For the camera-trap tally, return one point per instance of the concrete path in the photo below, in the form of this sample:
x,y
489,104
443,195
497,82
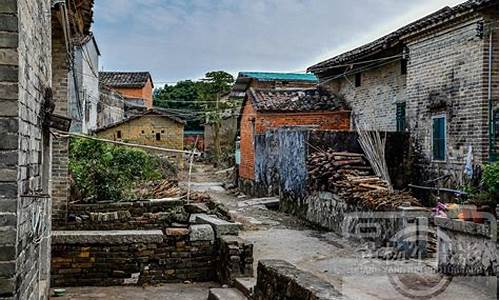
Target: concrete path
x,y
194,291
343,263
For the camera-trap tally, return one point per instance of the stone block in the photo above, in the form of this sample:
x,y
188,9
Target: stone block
x,y
8,6
221,227
7,253
7,285
107,237
225,294
8,174
8,219
8,23
196,208
201,233
7,269
8,40
176,231
8,190
8,158
9,73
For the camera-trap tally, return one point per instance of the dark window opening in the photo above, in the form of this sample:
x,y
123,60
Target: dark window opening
x,y
401,116
142,131
158,137
439,138
163,131
357,80
404,66
152,131
118,134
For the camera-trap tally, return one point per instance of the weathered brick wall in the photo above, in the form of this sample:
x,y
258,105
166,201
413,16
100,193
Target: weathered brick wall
x,y
111,106
374,102
447,75
60,146
90,258
235,259
228,132
257,123
145,93
143,131
25,68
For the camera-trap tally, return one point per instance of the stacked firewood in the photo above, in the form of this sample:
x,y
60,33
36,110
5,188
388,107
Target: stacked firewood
x,y
349,175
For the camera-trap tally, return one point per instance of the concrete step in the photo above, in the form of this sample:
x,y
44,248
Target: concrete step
x,y
245,285
268,202
221,227
225,294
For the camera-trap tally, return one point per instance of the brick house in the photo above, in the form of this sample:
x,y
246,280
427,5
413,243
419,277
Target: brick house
x,y
271,80
136,87
436,78
34,100
152,128
265,109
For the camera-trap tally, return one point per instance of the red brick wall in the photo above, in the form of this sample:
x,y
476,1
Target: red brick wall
x,y
326,120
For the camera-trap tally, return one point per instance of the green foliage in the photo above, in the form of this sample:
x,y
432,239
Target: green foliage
x,y
106,172
487,192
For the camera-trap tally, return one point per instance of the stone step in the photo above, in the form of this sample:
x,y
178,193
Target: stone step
x,y
245,285
268,202
221,227
225,294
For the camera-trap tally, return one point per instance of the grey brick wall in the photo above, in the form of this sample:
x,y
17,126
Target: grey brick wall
x,y
447,75
111,106
60,146
24,207
374,102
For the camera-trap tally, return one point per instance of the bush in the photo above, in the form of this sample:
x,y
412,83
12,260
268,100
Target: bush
x,y
103,171
486,192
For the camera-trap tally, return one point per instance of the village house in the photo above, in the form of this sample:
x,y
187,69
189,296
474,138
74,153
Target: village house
x,y
136,87
153,128
265,109
271,80
436,78
35,55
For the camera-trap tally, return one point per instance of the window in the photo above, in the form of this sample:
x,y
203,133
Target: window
x,y
404,66
118,134
163,131
401,116
357,80
142,131
439,137
158,137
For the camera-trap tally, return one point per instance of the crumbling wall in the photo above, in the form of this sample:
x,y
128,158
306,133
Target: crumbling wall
x,y
235,259
147,214
25,68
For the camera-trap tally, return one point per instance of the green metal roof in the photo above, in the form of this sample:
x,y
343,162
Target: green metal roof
x,y
280,76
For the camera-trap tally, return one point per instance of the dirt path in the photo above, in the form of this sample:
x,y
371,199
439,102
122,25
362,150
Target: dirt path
x,y
341,262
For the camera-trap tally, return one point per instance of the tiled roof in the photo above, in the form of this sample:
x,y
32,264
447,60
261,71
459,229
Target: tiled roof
x,y
394,38
297,100
125,79
148,112
268,76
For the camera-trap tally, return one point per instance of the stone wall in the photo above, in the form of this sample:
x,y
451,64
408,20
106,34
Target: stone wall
x,y
466,248
278,279
447,75
25,68
227,135
103,258
147,214
111,106
374,101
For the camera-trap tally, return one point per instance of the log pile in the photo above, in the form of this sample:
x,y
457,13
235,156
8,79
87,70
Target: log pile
x,y
349,175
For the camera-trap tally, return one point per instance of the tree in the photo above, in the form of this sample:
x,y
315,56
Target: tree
x,y
217,84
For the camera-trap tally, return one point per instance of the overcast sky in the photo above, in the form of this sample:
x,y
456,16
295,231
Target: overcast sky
x,y
184,39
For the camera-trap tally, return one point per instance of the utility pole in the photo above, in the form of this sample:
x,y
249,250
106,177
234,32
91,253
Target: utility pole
x,y
216,131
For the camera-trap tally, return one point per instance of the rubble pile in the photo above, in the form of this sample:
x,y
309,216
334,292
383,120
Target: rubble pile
x,y
169,188
350,176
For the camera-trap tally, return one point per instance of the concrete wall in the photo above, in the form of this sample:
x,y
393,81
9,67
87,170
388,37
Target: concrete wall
x,y
111,106
86,60
466,248
143,131
25,74
228,132
447,75
374,102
